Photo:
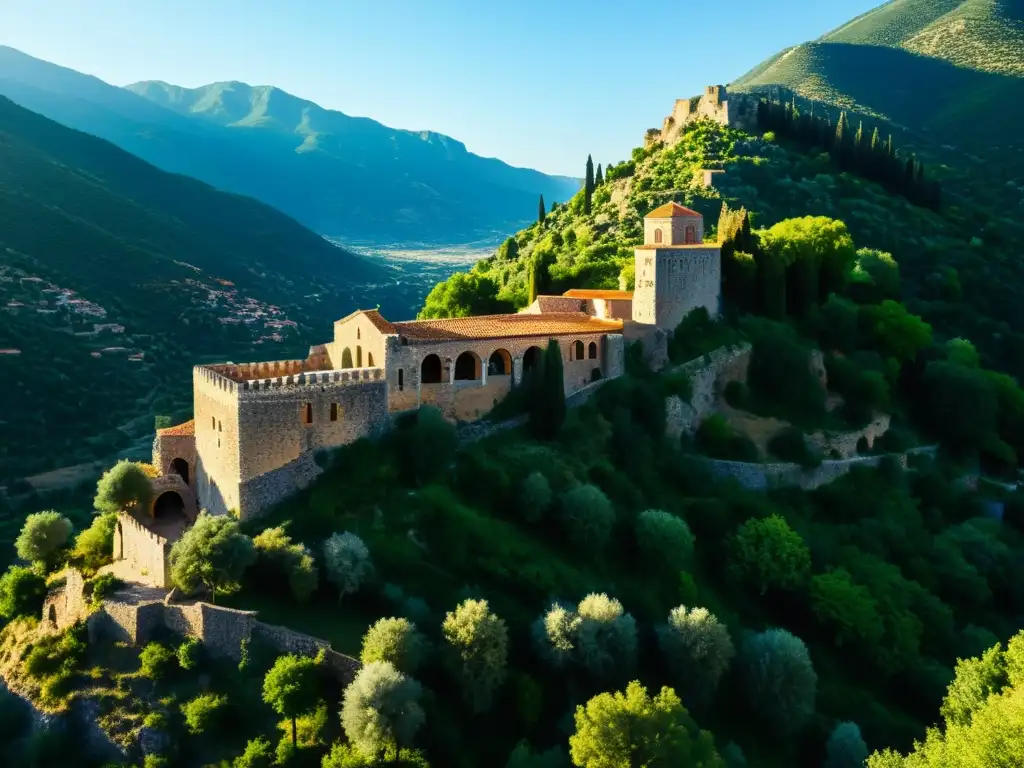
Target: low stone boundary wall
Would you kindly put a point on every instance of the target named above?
(65, 603)
(134, 613)
(763, 477)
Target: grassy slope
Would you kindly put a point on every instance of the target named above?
(894, 62)
(776, 183)
(84, 215)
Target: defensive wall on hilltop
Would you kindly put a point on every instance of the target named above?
(144, 551)
(256, 437)
(716, 104)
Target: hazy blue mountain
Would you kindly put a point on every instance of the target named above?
(340, 175)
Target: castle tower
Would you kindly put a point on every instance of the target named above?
(676, 271)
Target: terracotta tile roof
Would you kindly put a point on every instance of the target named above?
(181, 430)
(587, 293)
(546, 324)
(378, 321)
(670, 210)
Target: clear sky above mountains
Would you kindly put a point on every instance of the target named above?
(538, 83)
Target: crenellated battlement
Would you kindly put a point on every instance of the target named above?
(280, 374)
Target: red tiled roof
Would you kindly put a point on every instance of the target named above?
(670, 210)
(186, 429)
(588, 293)
(378, 321)
(505, 326)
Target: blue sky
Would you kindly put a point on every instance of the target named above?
(538, 83)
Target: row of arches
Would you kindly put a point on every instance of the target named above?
(468, 365)
(346, 358)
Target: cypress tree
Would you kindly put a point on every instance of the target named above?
(588, 189)
(541, 212)
(533, 281)
(598, 177)
(858, 148)
(875, 154)
(842, 141)
(548, 407)
(908, 178)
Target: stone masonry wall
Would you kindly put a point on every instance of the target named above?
(65, 604)
(670, 282)
(708, 377)
(261, 493)
(146, 553)
(362, 339)
(215, 404)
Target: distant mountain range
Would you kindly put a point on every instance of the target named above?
(342, 176)
(116, 277)
(947, 74)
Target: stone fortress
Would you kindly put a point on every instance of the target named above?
(258, 426)
(716, 104)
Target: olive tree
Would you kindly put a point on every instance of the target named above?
(22, 591)
(123, 488)
(213, 553)
(290, 687)
(381, 709)
(660, 732)
(587, 516)
(781, 681)
(395, 640)
(42, 536)
(275, 547)
(478, 644)
(768, 554)
(599, 635)
(697, 648)
(94, 547)
(348, 562)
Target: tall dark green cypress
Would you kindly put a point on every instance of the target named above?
(598, 177)
(875, 154)
(841, 146)
(548, 414)
(541, 212)
(588, 187)
(858, 148)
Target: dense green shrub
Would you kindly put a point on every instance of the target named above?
(104, 585)
(789, 444)
(22, 591)
(845, 748)
(189, 653)
(259, 753)
(275, 549)
(587, 517)
(768, 554)
(535, 497)
(396, 641)
(780, 678)
(290, 687)
(846, 607)
(203, 713)
(213, 553)
(156, 661)
(599, 635)
(428, 445)
(664, 538)
(717, 439)
(94, 546)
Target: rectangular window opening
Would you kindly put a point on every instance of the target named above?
(334, 411)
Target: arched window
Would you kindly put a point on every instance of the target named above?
(401, 379)
(369, 359)
(592, 350)
(577, 350)
(359, 357)
(307, 413)
(499, 363)
(180, 468)
(430, 370)
(334, 411)
(213, 422)
(359, 334)
(691, 234)
(346, 358)
(531, 359)
(657, 235)
(467, 367)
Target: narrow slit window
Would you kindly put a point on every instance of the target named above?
(307, 414)
(401, 379)
(334, 411)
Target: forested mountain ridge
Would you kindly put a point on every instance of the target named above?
(948, 75)
(339, 175)
(116, 276)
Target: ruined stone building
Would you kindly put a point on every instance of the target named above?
(716, 104)
(257, 426)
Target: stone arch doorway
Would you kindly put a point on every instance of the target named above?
(499, 363)
(51, 616)
(531, 360)
(180, 468)
(169, 506)
(346, 358)
(467, 367)
(430, 370)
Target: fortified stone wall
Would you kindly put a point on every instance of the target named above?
(364, 342)
(845, 443)
(65, 603)
(168, 447)
(215, 402)
(762, 477)
(708, 377)
(716, 104)
(261, 493)
(146, 554)
(133, 614)
(670, 282)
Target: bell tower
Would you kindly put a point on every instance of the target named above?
(676, 271)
